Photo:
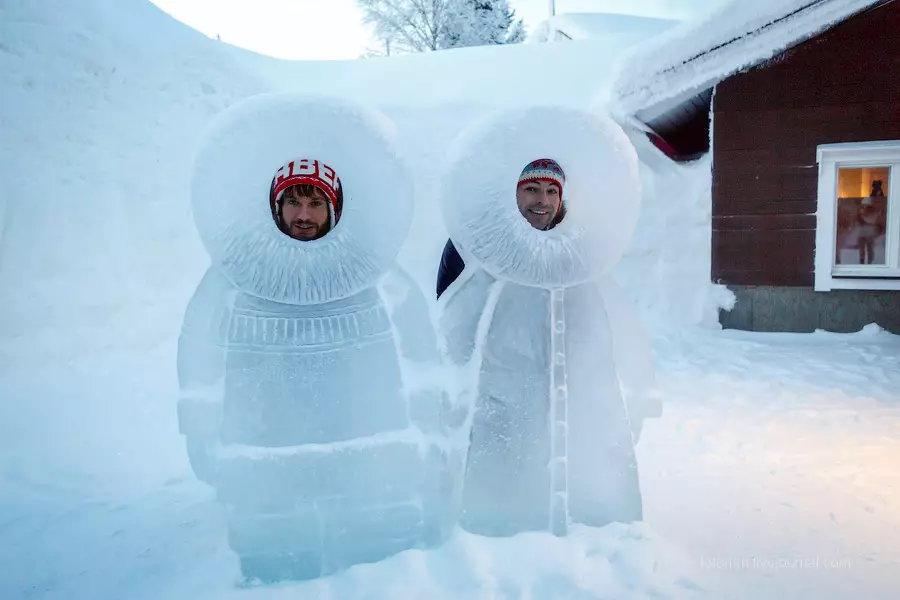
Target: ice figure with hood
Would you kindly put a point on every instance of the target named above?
(308, 364)
(539, 205)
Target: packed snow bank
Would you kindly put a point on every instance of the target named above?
(98, 129)
(497, 76)
(666, 270)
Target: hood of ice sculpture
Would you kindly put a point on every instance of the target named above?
(602, 195)
(233, 170)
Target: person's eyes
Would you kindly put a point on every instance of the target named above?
(316, 203)
(554, 191)
(292, 201)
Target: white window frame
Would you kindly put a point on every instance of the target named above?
(831, 158)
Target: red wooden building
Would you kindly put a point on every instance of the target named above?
(800, 108)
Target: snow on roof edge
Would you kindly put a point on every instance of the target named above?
(656, 74)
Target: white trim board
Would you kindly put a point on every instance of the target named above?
(830, 158)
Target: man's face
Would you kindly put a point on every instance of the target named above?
(538, 202)
(305, 218)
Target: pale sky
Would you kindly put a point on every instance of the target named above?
(333, 29)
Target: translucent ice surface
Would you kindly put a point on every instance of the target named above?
(311, 395)
(552, 439)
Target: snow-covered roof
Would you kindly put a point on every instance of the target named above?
(669, 70)
(579, 26)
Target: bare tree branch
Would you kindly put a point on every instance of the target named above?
(423, 25)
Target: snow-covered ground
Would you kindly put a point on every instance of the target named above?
(775, 463)
(772, 474)
(771, 447)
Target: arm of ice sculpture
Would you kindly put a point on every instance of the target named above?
(201, 369)
(633, 355)
(460, 313)
(409, 314)
(460, 310)
(423, 378)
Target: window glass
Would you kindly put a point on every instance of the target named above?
(862, 215)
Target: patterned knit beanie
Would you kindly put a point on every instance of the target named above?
(544, 169)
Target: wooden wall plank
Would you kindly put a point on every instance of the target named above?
(763, 205)
(779, 251)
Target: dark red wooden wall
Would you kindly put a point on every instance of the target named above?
(842, 86)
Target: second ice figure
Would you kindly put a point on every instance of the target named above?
(306, 354)
(540, 204)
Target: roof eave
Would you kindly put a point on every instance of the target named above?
(633, 101)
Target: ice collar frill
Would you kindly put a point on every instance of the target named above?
(233, 170)
(602, 196)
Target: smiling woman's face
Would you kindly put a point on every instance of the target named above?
(539, 202)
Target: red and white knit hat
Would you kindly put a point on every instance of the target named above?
(307, 171)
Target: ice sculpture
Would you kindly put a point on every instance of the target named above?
(308, 369)
(526, 324)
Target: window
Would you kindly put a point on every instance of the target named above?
(858, 216)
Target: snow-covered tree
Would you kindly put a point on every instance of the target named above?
(481, 23)
(411, 25)
(517, 33)
(423, 25)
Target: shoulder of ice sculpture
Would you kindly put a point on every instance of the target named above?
(460, 312)
(602, 195)
(408, 311)
(233, 171)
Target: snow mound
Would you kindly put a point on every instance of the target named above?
(665, 271)
(872, 330)
(103, 103)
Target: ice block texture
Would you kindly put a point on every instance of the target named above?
(309, 371)
(233, 171)
(552, 437)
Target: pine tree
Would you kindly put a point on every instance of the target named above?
(516, 33)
